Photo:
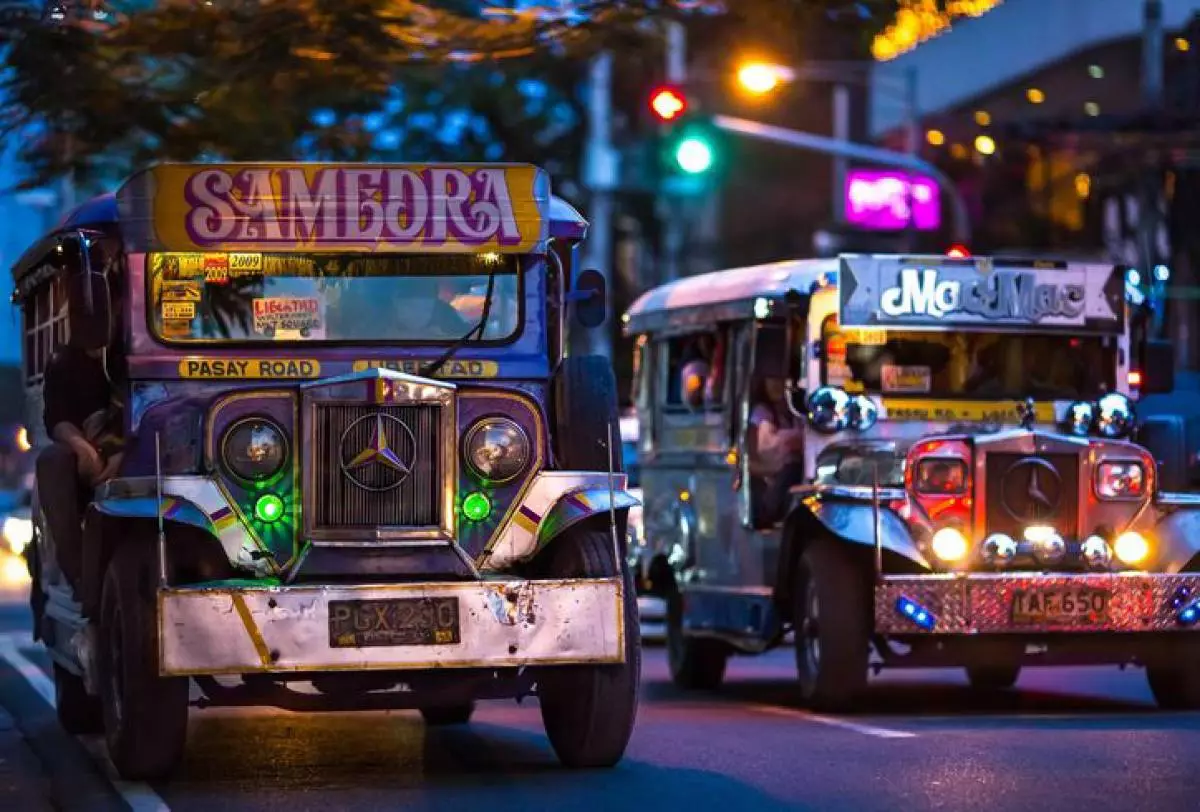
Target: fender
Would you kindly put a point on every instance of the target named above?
(572, 508)
(1175, 538)
(847, 518)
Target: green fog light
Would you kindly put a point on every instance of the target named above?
(268, 508)
(476, 506)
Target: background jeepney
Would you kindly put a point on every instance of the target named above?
(316, 486)
(975, 491)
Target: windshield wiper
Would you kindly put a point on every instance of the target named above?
(437, 363)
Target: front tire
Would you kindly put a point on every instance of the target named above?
(79, 713)
(145, 715)
(589, 710)
(446, 715)
(696, 663)
(832, 613)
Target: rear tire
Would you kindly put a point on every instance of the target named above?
(145, 715)
(832, 613)
(79, 713)
(446, 715)
(586, 411)
(589, 710)
(993, 677)
(696, 663)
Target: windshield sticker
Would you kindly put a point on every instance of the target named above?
(248, 368)
(451, 369)
(952, 411)
(344, 207)
(866, 337)
(286, 319)
(181, 292)
(917, 380)
(245, 264)
(185, 311)
(216, 269)
(916, 292)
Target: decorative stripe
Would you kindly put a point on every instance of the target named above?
(221, 514)
(260, 645)
(578, 500)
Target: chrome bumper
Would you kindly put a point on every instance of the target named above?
(242, 629)
(982, 603)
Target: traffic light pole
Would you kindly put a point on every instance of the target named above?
(670, 212)
(854, 151)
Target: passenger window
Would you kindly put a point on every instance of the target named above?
(695, 372)
(45, 327)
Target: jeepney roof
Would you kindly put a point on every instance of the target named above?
(104, 212)
(725, 295)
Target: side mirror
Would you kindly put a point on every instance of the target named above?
(591, 298)
(1158, 368)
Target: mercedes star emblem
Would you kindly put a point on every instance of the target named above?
(388, 457)
(1032, 490)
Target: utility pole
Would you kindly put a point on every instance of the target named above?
(1149, 215)
(600, 177)
(670, 212)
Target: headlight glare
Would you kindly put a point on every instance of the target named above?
(1120, 480)
(949, 544)
(496, 449)
(1131, 547)
(254, 449)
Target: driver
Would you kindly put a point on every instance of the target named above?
(423, 313)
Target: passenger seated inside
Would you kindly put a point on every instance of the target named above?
(775, 448)
(703, 372)
(84, 416)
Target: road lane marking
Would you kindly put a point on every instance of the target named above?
(140, 797)
(833, 721)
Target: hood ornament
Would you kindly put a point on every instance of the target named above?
(1028, 414)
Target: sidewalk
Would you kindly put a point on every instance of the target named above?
(23, 786)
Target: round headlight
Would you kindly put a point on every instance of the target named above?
(1080, 415)
(497, 449)
(1114, 415)
(863, 413)
(1096, 552)
(254, 449)
(999, 548)
(829, 410)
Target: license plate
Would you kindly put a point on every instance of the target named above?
(397, 622)
(1063, 606)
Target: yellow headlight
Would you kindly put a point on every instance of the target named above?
(949, 544)
(1131, 547)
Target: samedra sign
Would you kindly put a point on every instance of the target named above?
(931, 292)
(341, 207)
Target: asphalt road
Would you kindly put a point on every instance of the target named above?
(1086, 739)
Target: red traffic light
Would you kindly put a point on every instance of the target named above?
(958, 252)
(667, 103)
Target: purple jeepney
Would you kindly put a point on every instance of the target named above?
(354, 453)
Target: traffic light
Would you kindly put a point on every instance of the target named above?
(668, 103)
(693, 148)
(687, 144)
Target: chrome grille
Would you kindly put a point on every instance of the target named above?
(1017, 498)
(368, 498)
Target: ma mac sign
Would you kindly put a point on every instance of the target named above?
(932, 292)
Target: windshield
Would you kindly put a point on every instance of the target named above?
(988, 366)
(263, 298)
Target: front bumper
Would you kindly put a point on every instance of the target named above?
(237, 629)
(983, 603)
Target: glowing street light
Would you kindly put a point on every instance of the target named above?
(985, 145)
(760, 78)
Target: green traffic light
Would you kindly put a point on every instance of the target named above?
(694, 155)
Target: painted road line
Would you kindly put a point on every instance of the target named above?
(140, 797)
(833, 721)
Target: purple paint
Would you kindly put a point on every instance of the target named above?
(877, 200)
(350, 205)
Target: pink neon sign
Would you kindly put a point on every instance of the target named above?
(877, 200)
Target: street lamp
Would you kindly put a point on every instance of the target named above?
(760, 78)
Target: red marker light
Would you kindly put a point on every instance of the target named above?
(958, 252)
(1135, 378)
(667, 103)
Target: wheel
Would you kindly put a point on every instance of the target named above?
(145, 715)
(696, 663)
(589, 710)
(1176, 686)
(586, 410)
(79, 713)
(993, 677)
(442, 715)
(832, 613)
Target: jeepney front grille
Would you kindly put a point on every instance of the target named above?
(377, 492)
(1031, 489)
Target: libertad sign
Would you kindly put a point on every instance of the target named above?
(361, 207)
(882, 291)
